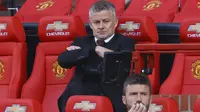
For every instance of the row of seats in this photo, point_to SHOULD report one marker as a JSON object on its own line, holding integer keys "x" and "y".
{"x": 159, "y": 10}
{"x": 84, "y": 103}
{"x": 48, "y": 80}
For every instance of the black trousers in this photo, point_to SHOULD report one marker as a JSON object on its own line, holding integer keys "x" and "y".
{"x": 112, "y": 91}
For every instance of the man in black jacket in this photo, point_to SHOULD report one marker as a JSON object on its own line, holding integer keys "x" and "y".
{"x": 87, "y": 53}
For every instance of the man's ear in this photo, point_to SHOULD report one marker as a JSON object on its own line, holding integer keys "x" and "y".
{"x": 124, "y": 99}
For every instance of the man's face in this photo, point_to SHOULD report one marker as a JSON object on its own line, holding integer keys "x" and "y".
{"x": 137, "y": 94}
{"x": 103, "y": 24}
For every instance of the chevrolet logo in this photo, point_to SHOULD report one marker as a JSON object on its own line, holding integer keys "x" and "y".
{"x": 195, "y": 28}
{"x": 155, "y": 108}
{"x": 129, "y": 26}
{"x": 85, "y": 106}
{"x": 3, "y": 26}
{"x": 16, "y": 108}
{"x": 57, "y": 26}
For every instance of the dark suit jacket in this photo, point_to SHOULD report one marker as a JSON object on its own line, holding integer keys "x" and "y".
{"x": 86, "y": 60}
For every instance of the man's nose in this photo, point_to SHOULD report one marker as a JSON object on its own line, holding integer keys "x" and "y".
{"x": 139, "y": 99}
{"x": 101, "y": 26}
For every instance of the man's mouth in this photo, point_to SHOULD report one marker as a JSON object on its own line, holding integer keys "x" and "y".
{"x": 102, "y": 32}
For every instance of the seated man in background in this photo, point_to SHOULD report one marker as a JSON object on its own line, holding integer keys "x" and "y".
{"x": 137, "y": 93}
{"x": 87, "y": 53}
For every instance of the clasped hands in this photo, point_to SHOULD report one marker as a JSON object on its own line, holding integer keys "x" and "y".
{"x": 138, "y": 107}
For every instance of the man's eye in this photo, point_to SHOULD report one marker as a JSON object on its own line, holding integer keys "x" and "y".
{"x": 133, "y": 93}
{"x": 144, "y": 94}
{"x": 96, "y": 22}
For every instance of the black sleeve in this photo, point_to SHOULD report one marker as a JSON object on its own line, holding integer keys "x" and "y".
{"x": 68, "y": 59}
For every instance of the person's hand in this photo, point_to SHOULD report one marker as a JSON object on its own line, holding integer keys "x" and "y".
{"x": 70, "y": 48}
{"x": 138, "y": 107}
{"x": 101, "y": 50}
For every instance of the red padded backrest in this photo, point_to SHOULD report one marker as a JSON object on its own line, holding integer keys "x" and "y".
{"x": 12, "y": 57}
{"x": 53, "y": 78}
{"x": 83, "y": 103}
{"x": 165, "y": 104}
{"x": 142, "y": 29}
{"x": 34, "y": 10}
{"x": 48, "y": 78}
{"x": 185, "y": 74}
{"x": 191, "y": 72}
{"x": 82, "y": 8}
{"x": 11, "y": 30}
{"x": 61, "y": 28}
{"x": 159, "y": 10}
{"x": 189, "y": 30}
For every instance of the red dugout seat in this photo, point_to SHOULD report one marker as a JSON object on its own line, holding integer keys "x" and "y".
{"x": 191, "y": 9}
{"x": 48, "y": 80}
{"x": 34, "y": 10}
{"x": 185, "y": 73}
{"x": 164, "y": 105}
{"x": 82, "y": 8}
{"x": 159, "y": 10}
{"x": 89, "y": 104}
{"x": 13, "y": 53}
{"x": 143, "y": 29}
{"x": 19, "y": 105}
